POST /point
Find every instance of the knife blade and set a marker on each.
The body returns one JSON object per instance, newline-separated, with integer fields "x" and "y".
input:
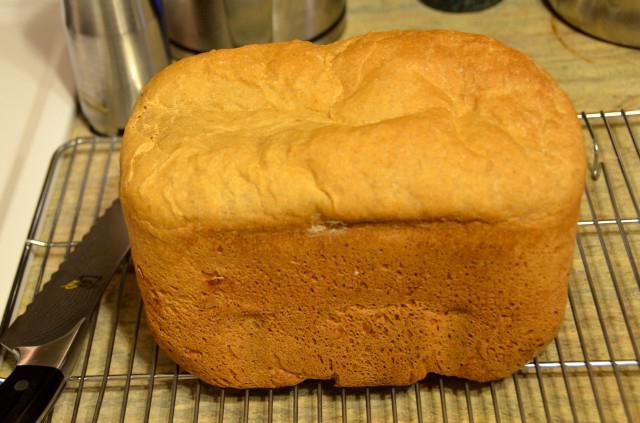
{"x": 47, "y": 335}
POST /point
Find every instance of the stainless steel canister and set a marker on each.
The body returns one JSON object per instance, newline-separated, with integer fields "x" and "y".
{"x": 201, "y": 25}
{"x": 617, "y": 21}
{"x": 115, "y": 46}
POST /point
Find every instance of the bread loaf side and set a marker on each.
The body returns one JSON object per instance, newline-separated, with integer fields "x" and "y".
{"x": 368, "y": 211}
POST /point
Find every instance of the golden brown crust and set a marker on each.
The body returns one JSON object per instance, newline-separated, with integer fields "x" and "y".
{"x": 373, "y": 210}
{"x": 373, "y": 304}
{"x": 280, "y": 135}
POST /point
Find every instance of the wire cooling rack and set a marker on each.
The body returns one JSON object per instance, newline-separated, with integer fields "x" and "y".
{"x": 589, "y": 373}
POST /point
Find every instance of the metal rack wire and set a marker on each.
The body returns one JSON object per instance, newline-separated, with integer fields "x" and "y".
{"x": 591, "y": 371}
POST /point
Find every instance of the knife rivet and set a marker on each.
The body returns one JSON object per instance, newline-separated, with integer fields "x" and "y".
{"x": 21, "y": 385}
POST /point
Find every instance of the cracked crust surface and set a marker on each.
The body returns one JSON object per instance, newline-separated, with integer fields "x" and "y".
{"x": 372, "y": 210}
{"x": 266, "y": 136}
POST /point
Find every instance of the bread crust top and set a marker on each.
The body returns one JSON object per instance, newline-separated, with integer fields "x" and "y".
{"x": 385, "y": 127}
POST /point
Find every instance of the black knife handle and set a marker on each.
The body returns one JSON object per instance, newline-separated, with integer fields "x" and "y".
{"x": 28, "y": 392}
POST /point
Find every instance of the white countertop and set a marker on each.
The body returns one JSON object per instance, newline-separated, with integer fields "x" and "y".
{"x": 36, "y": 108}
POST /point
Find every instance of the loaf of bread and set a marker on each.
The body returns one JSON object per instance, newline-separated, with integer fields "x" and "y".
{"x": 368, "y": 211}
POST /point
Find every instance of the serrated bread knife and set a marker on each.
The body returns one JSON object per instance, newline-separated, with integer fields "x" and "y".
{"x": 47, "y": 336}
